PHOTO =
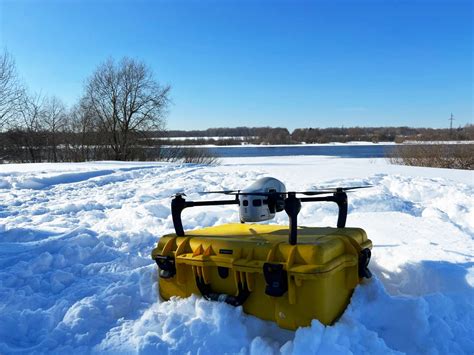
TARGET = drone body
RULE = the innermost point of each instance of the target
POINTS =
(256, 208)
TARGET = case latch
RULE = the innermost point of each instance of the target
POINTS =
(364, 259)
(276, 279)
(167, 266)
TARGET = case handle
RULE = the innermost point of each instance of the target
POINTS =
(210, 295)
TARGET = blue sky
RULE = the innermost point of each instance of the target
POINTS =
(256, 63)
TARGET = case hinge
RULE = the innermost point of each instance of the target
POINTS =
(167, 266)
(276, 279)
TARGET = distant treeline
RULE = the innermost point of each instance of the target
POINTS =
(278, 135)
(229, 136)
(381, 134)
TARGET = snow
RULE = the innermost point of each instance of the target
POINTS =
(76, 273)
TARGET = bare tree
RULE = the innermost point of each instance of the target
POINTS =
(83, 130)
(127, 101)
(53, 120)
(10, 88)
(29, 123)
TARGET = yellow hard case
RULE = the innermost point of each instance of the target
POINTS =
(320, 272)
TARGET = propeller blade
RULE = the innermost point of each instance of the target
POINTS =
(324, 191)
(258, 193)
(357, 187)
(313, 193)
(309, 193)
(225, 192)
(237, 193)
(336, 189)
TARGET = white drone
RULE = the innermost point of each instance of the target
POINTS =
(263, 199)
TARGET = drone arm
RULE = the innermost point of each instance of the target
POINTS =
(293, 206)
(178, 204)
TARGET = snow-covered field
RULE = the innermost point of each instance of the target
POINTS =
(76, 273)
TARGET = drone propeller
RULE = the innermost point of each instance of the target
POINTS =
(343, 189)
(225, 192)
(238, 193)
(312, 193)
(357, 187)
(274, 193)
